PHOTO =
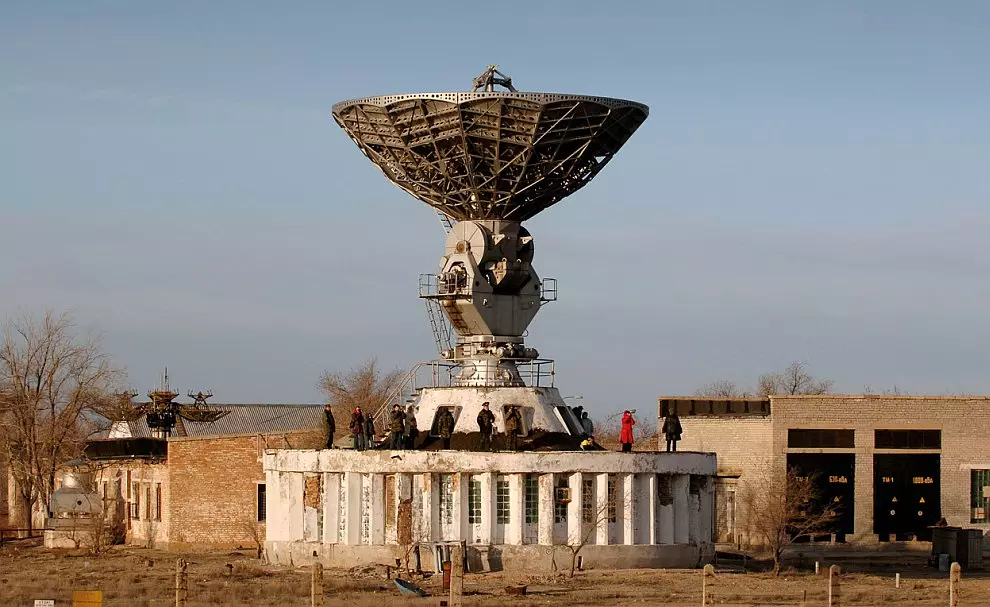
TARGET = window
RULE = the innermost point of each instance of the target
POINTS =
(531, 497)
(262, 504)
(820, 438)
(562, 496)
(158, 501)
(447, 499)
(611, 499)
(147, 502)
(474, 502)
(588, 505)
(135, 500)
(907, 439)
(502, 502)
(980, 490)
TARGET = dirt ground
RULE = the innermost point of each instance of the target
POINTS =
(143, 577)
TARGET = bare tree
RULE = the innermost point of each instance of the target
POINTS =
(722, 388)
(49, 378)
(795, 379)
(781, 507)
(364, 386)
(600, 516)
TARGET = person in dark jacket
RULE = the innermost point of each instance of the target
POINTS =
(369, 431)
(672, 431)
(412, 430)
(331, 424)
(513, 424)
(626, 436)
(398, 427)
(486, 425)
(357, 428)
(445, 427)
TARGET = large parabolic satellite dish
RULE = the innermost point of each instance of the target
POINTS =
(487, 154)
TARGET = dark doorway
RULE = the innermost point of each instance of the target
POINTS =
(906, 495)
(834, 476)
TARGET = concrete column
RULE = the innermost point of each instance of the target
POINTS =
(653, 504)
(707, 513)
(419, 532)
(679, 485)
(458, 496)
(487, 507)
(377, 531)
(276, 525)
(628, 509)
(575, 509)
(546, 503)
(352, 522)
(331, 508)
(431, 508)
(601, 514)
(514, 531)
(291, 502)
(666, 511)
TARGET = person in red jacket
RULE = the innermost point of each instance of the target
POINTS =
(626, 437)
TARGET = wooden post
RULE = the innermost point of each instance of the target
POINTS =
(955, 574)
(833, 586)
(181, 583)
(316, 586)
(708, 586)
(897, 580)
(817, 570)
(456, 575)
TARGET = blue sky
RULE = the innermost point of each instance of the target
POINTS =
(812, 184)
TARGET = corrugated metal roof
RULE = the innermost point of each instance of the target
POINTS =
(241, 419)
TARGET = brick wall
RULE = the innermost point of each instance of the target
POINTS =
(964, 422)
(214, 485)
(136, 496)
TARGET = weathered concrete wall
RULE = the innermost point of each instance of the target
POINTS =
(498, 503)
(136, 497)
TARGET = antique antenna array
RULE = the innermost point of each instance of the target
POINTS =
(162, 412)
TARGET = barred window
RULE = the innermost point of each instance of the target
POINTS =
(588, 505)
(262, 505)
(474, 502)
(979, 486)
(611, 499)
(135, 500)
(561, 498)
(532, 498)
(502, 502)
(447, 499)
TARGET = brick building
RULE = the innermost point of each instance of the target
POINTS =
(896, 463)
(203, 487)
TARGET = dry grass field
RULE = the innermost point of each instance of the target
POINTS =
(143, 577)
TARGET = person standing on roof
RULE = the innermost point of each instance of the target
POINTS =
(369, 431)
(513, 424)
(626, 436)
(412, 430)
(445, 426)
(672, 430)
(398, 427)
(331, 424)
(357, 428)
(486, 425)
(586, 425)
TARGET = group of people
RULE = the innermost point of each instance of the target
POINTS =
(404, 431)
(486, 427)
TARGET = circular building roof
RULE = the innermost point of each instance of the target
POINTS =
(490, 155)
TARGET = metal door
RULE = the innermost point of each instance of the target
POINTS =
(906, 495)
(834, 476)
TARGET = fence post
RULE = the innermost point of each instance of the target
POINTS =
(316, 585)
(708, 586)
(833, 586)
(181, 583)
(955, 574)
(456, 575)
